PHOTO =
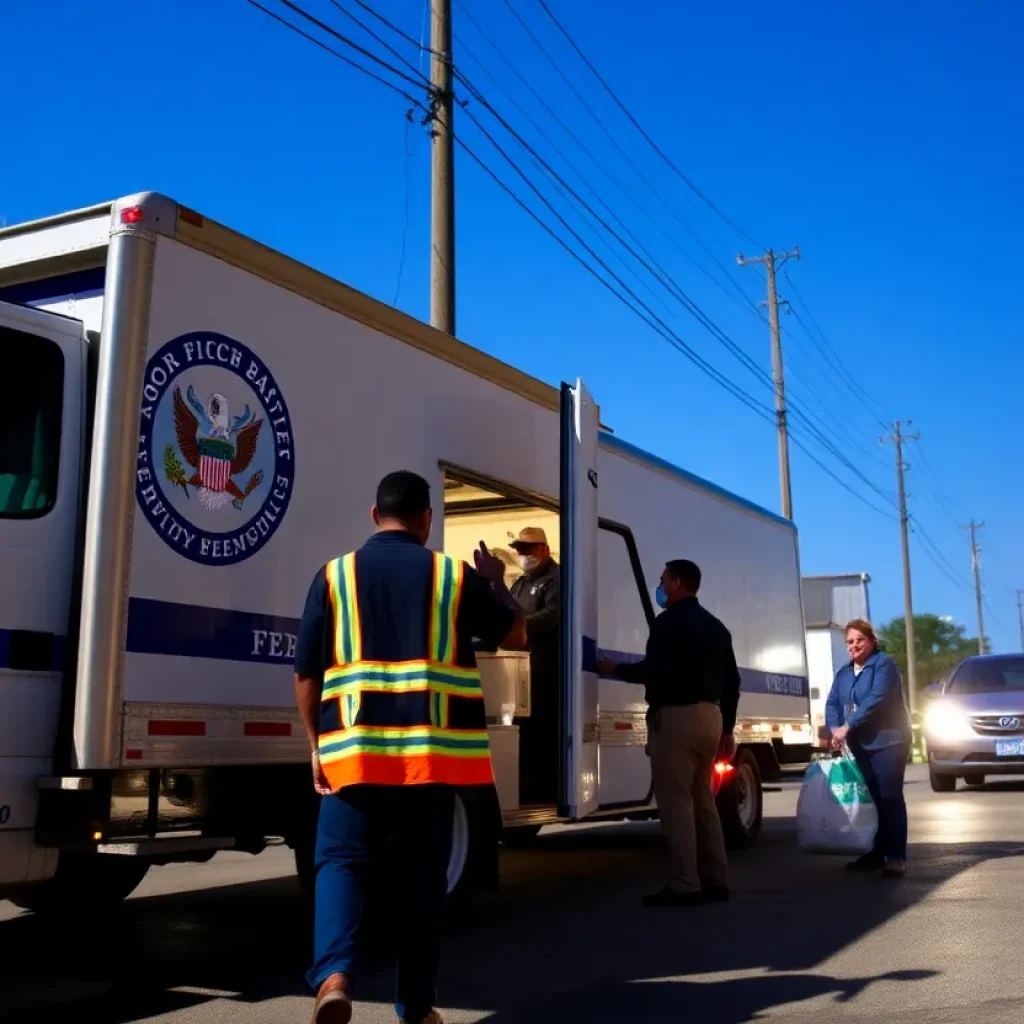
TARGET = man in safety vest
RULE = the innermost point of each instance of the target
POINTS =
(387, 686)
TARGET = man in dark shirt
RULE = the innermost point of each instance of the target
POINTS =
(693, 689)
(387, 687)
(537, 592)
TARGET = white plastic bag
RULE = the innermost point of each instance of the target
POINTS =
(835, 812)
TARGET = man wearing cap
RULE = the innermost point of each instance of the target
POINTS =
(537, 592)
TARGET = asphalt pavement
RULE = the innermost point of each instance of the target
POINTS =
(567, 940)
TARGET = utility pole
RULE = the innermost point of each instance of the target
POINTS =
(442, 171)
(897, 438)
(1020, 616)
(771, 263)
(973, 527)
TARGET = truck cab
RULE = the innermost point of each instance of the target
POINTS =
(42, 431)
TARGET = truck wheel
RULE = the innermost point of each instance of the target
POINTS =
(975, 779)
(84, 883)
(462, 842)
(942, 783)
(740, 802)
(305, 868)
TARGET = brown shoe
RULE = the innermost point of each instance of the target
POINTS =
(333, 1001)
(894, 869)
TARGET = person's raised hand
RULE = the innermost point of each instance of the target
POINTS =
(489, 566)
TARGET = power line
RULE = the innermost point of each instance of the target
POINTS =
(665, 330)
(405, 225)
(400, 31)
(681, 221)
(348, 42)
(662, 328)
(334, 53)
(601, 165)
(636, 124)
(832, 357)
(935, 553)
(943, 499)
(636, 305)
(383, 42)
(846, 487)
(404, 35)
(666, 282)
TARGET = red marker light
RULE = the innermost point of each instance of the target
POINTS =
(724, 768)
(132, 214)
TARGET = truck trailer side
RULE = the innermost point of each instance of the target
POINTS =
(202, 425)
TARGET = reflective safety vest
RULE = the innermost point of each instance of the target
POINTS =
(388, 723)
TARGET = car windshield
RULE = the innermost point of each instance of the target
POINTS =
(995, 676)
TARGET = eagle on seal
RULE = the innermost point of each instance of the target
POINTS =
(217, 446)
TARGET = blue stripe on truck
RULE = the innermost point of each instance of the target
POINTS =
(191, 631)
(752, 680)
(48, 288)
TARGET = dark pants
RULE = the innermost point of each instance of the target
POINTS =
(353, 825)
(538, 734)
(884, 771)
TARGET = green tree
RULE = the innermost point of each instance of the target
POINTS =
(940, 644)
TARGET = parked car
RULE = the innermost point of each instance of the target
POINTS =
(974, 726)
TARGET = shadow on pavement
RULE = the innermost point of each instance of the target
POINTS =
(565, 940)
(735, 1001)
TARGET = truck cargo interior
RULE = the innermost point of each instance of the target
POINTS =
(478, 509)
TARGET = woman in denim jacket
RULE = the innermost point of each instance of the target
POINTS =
(867, 711)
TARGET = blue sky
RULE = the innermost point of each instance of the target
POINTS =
(879, 137)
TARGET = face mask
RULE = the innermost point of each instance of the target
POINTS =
(527, 563)
(661, 597)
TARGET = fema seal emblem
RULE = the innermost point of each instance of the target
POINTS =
(216, 462)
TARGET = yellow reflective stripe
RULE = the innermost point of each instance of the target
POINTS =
(404, 742)
(359, 749)
(447, 588)
(451, 608)
(395, 668)
(435, 642)
(355, 633)
(403, 686)
(405, 732)
(334, 587)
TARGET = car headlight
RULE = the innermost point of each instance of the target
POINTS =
(943, 722)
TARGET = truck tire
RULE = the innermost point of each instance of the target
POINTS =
(942, 783)
(460, 861)
(84, 883)
(305, 867)
(741, 802)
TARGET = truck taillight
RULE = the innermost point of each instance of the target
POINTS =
(724, 768)
(132, 214)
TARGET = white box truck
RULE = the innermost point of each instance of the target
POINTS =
(830, 602)
(192, 424)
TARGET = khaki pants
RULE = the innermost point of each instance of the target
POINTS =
(683, 742)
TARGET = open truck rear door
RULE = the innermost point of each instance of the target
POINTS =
(578, 775)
